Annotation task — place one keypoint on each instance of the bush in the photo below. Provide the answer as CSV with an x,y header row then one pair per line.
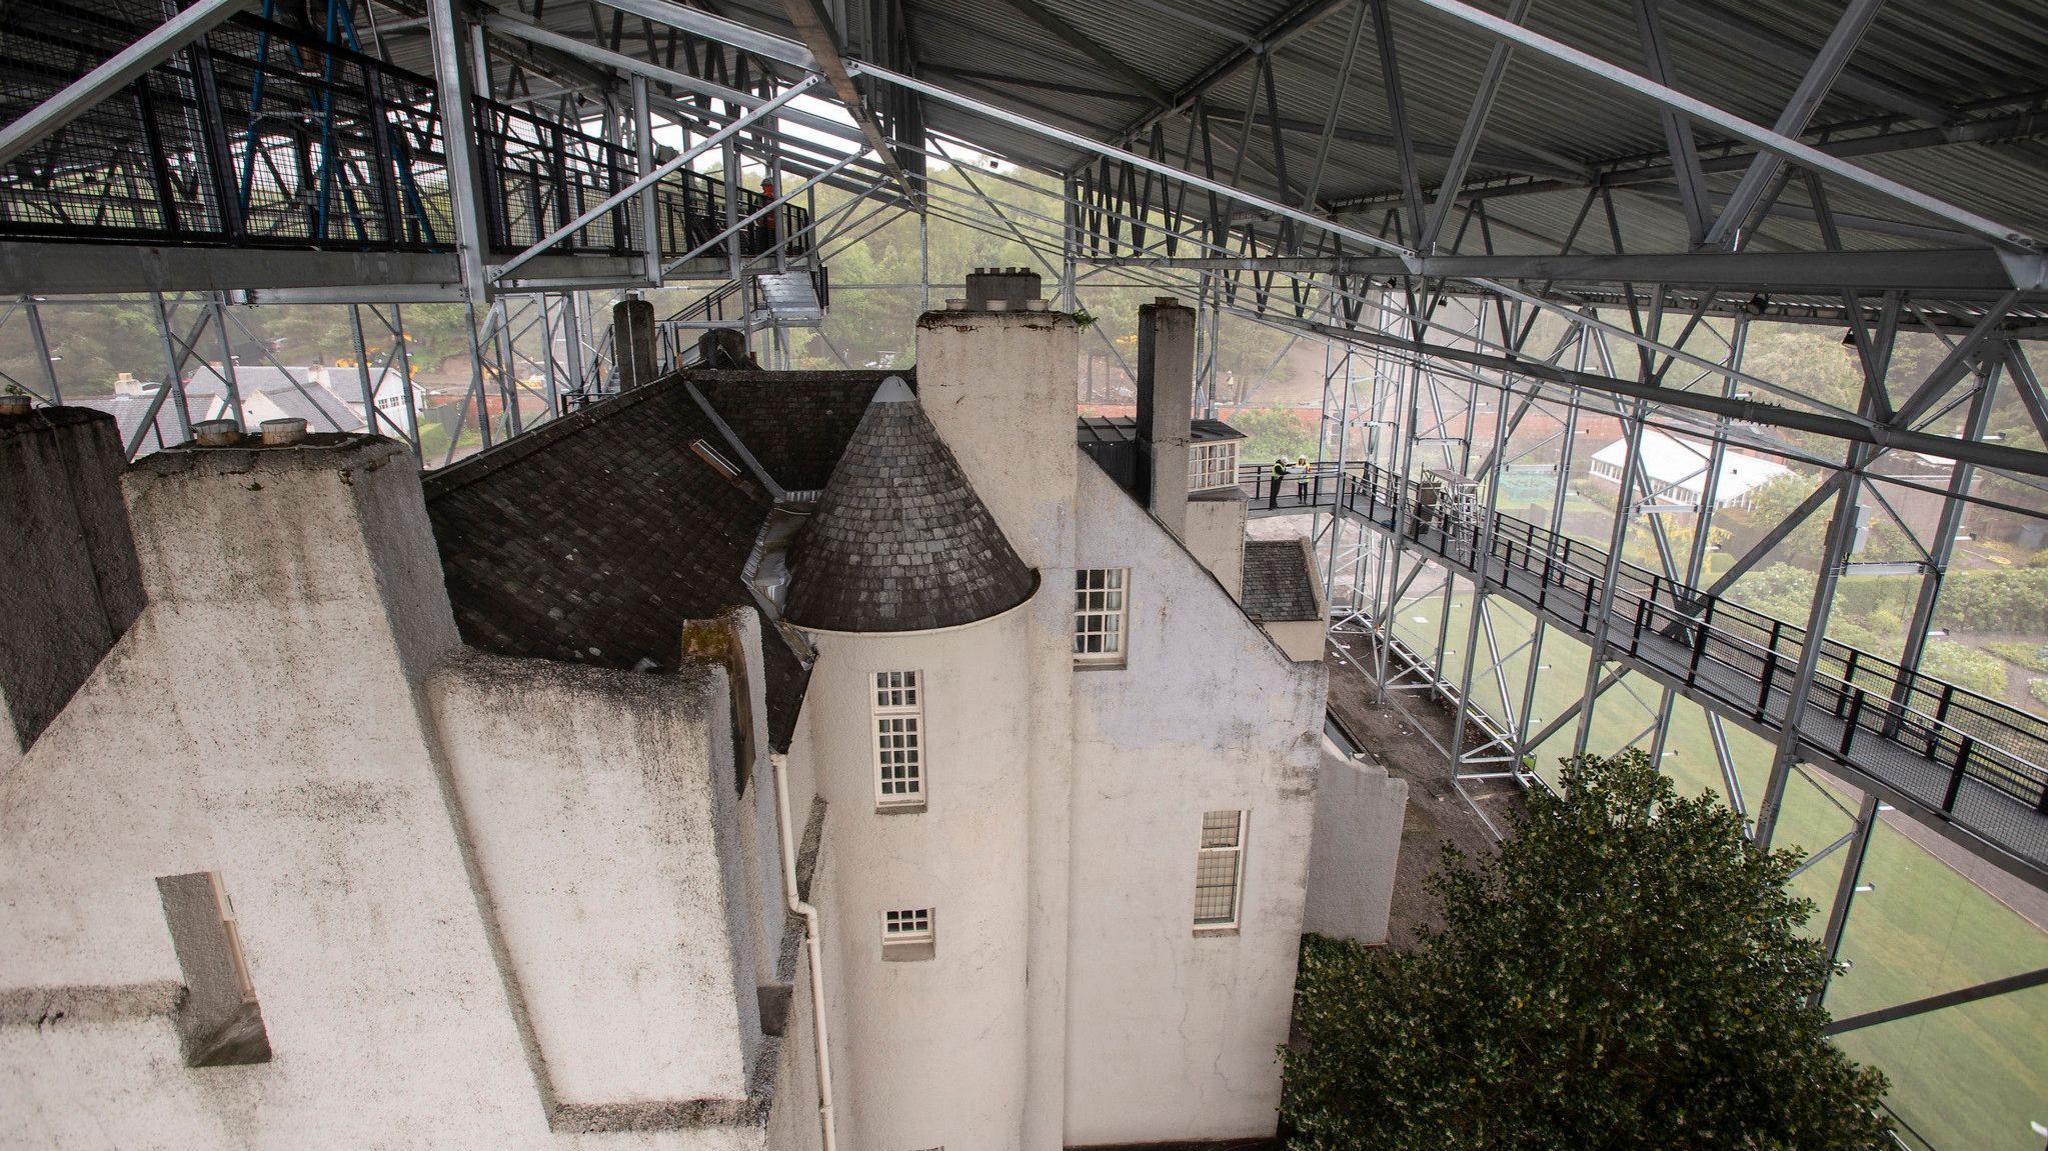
x,y
2027,654
2038,688
1626,973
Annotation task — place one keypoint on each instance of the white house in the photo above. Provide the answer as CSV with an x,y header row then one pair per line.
x,y
1677,471
752,759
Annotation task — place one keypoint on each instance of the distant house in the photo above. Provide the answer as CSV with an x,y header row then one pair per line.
x,y
131,412
328,399
1677,471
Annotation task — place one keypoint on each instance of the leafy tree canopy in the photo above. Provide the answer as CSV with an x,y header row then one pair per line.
x,y
1625,974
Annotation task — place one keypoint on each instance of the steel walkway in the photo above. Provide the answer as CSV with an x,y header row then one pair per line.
x,y
1969,766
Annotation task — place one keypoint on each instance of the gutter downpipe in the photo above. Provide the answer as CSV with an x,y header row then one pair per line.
x,y
810,916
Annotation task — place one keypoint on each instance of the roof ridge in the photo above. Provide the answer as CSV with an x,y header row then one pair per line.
x,y
469,470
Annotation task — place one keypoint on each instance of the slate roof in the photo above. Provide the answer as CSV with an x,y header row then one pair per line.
x,y
1124,429
292,389
1279,586
795,423
592,538
899,540
130,411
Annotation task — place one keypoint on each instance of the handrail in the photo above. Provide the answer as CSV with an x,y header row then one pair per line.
x,y
209,149
1969,734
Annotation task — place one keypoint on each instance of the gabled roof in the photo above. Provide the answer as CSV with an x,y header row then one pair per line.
x,y
1279,585
130,412
592,538
795,423
1670,462
899,540
1124,429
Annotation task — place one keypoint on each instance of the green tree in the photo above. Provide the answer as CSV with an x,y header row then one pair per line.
x,y
1627,973
1768,507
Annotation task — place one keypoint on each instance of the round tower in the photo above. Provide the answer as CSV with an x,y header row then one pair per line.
x,y
918,710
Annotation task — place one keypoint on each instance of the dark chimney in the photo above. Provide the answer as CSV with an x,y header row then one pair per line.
x,y
1166,401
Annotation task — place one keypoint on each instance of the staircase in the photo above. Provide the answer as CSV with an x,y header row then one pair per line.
x,y
798,298
790,299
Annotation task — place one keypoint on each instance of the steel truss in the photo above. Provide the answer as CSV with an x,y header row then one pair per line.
x,y
1445,345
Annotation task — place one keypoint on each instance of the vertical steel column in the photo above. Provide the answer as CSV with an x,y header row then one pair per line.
x,y
1337,501
446,30
1841,532
1482,550
227,361
508,367
404,356
355,331
1703,519
49,362
1845,890
174,384
476,383
547,357
650,203
572,343
1942,548
1632,434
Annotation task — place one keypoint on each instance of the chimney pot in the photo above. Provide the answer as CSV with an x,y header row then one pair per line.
x,y
216,433
13,405
290,430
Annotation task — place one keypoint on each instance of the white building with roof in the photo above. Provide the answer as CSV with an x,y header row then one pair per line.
x,y
1677,471
863,765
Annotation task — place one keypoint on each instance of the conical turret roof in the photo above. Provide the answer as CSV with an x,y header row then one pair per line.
x,y
899,541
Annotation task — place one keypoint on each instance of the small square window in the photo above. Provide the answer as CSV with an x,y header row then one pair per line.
x,y
1100,610
1219,872
899,740
908,934
1212,465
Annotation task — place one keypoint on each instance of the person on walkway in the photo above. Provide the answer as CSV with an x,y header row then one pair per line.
x,y
1273,491
1301,479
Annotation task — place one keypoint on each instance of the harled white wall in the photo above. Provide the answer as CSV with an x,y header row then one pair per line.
x,y
929,1052
1359,813
612,861
264,717
1173,1035
999,387
1215,537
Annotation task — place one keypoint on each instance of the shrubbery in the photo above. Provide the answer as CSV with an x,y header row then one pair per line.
x,y
1625,974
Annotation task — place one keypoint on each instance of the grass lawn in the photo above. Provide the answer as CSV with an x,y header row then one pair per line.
x,y
1966,1078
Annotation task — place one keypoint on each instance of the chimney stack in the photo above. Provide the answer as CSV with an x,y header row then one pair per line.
x,y
633,342
1003,290
1166,402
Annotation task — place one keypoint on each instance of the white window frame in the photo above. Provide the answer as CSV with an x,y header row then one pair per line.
x,y
896,709
1096,606
1233,853
1212,464
909,933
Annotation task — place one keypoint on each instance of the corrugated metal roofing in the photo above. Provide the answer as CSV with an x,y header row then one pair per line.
x,y
1552,130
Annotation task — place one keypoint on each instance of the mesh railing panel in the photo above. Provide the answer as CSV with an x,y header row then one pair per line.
x,y
1956,729
267,135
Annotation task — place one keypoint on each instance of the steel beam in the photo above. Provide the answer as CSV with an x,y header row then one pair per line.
x,y
1088,46
814,25
1785,146
1968,271
1957,998
1991,455
81,95
753,115
1813,87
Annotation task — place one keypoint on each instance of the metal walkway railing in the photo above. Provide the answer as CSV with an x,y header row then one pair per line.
x,y
1944,754
265,135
